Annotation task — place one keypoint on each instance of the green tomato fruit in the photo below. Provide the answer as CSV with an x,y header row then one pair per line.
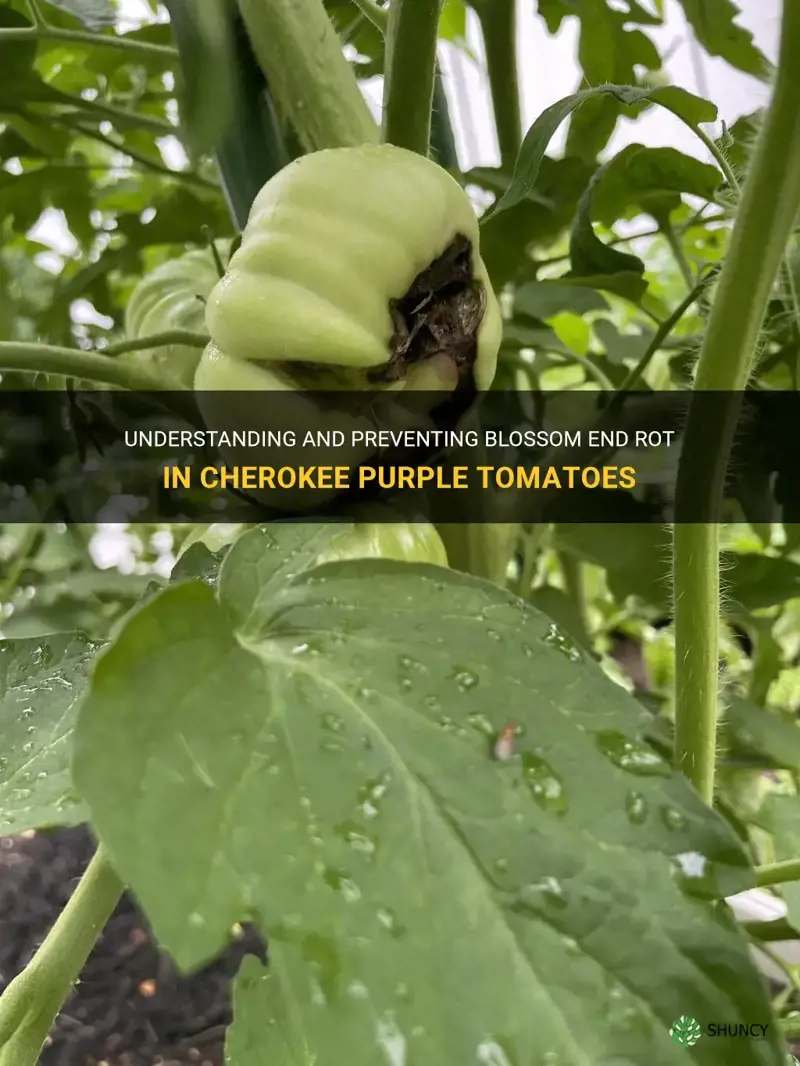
x,y
344,253
215,535
407,542
173,297
359,270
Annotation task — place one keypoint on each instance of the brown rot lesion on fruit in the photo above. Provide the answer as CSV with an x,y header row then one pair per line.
x,y
439,315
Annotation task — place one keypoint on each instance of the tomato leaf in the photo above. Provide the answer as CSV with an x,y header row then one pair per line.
x,y
691,109
714,26
41,682
96,14
309,751
589,256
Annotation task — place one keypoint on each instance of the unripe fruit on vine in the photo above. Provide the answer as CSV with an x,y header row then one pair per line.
x,y
173,297
326,288
410,542
359,271
214,535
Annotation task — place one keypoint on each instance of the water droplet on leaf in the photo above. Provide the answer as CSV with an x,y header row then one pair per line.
x,y
545,785
673,818
465,679
636,807
481,723
632,755
332,722
557,638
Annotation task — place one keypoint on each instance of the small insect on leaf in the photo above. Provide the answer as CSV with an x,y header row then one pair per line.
x,y
504,745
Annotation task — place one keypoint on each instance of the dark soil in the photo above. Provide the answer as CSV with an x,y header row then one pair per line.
x,y
131,1007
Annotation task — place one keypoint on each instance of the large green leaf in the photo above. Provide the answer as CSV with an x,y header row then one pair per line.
x,y
690,109
591,259
652,180
765,737
314,750
636,557
611,50
41,683
541,216
541,299
95,14
715,29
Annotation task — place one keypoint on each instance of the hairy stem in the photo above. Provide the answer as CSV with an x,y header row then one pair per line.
x,y
767,213
101,40
410,72
309,78
498,20
30,1004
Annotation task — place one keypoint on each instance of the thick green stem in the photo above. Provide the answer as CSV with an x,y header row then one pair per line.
x,y
498,20
310,80
30,1004
52,33
88,366
767,213
776,873
410,71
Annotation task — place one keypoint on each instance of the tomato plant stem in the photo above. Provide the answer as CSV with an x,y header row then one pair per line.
x,y
776,873
498,19
410,70
767,213
101,40
89,366
309,78
29,1005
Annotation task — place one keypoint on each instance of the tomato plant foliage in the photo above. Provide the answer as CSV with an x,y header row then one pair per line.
x,y
253,736
315,751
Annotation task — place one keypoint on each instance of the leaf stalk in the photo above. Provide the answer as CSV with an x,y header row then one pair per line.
x,y
30,1004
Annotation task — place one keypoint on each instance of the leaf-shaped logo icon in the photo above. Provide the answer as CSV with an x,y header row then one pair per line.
x,y
685,1031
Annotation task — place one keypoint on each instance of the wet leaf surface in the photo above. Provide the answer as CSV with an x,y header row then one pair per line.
x,y
41,682
320,761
